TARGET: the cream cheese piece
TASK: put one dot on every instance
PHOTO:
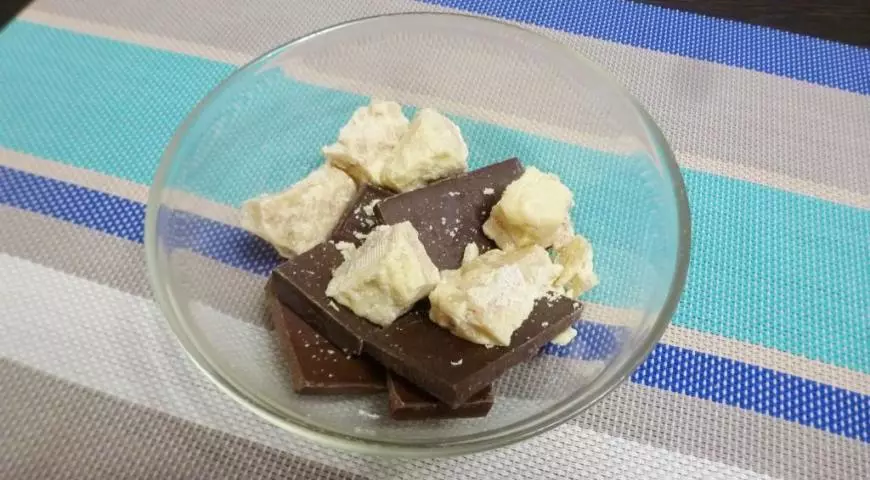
(302, 216)
(565, 337)
(368, 141)
(578, 275)
(432, 148)
(487, 299)
(532, 211)
(386, 276)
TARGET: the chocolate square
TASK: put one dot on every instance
(317, 366)
(359, 218)
(408, 402)
(453, 369)
(301, 284)
(449, 214)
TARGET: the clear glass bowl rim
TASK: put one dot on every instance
(466, 445)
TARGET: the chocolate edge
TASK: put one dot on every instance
(310, 311)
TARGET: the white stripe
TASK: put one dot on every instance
(773, 179)
(717, 167)
(116, 186)
(116, 343)
(678, 336)
(154, 41)
(80, 176)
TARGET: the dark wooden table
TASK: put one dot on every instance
(846, 21)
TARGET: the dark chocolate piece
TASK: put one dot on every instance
(408, 402)
(448, 367)
(317, 366)
(359, 218)
(453, 369)
(450, 214)
(301, 284)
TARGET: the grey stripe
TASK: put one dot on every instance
(728, 435)
(120, 263)
(662, 419)
(89, 434)
(762, 121)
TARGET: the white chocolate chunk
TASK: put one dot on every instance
(384, 277)
(368, 141)
(470, 253)
(565, 337)
(565, 233)
(346, 249)
(432, 148)
(488, 298)
(302, 216)
(578, 275)
(531, 211)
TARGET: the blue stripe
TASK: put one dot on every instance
(690, 35)
(760, 390)
(717, 379)
(125, 218)
(88, 208)
(768, 267)
(594, 341)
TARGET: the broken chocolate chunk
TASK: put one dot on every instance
(317, 366)
(453, 369)
(301, 282)
(408, 402)
(359, 218)
(448, 367)
(449, 214)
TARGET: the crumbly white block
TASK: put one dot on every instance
(383, 278)
(487, 299)
(565, 337)
(578, 275)
(565, 233)
(432, 148)
(346, 249)
(470, 253)
(368, 141)
(531, 211)
(302, 216)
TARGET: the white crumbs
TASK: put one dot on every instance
(500, 291)
(488, 191)
(373, 416)
(565, 337)
(453, 194)
(346, 249)
(370, 208)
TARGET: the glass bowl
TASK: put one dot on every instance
(514, 93)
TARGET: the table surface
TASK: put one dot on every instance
(765, 370)
(840, 20)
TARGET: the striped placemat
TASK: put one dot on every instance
(764, 372)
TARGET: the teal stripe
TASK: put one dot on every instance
(768, 267)
(97, 104)
(777, 269)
